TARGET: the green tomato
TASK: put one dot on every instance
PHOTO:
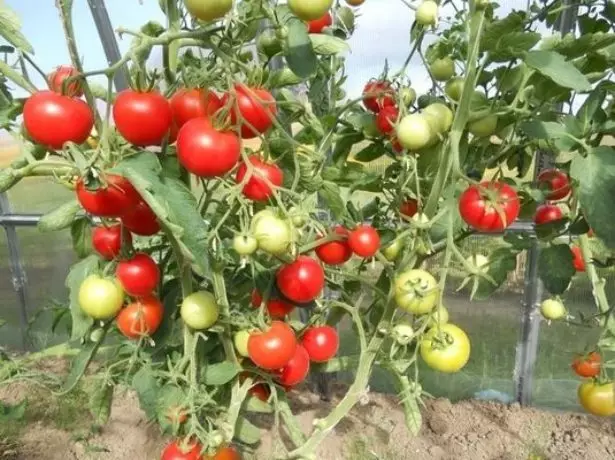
(199, 310)
(208, 10)
(308, 10)
(241, 343)
(244, 245)
(414, 132)
(97, 334)
(440, 117)
(297, 217)
(454, 88)
(100, 298)
(407, 96)
(427, 13)
(268, 43)
(442, 69)
(403, 333)
(416, 291)
(553, 309)
(445, 349)
(273, 234)
(392, 250)
(484, 127)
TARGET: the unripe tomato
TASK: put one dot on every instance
(440, 117)
(546, 213)
(414, 131)
(187, 104)
(140, 318)
(59, 75)
(364, 241)
(100, 298)
(556, 181)
(321, 343)
(267, 43)
(139, 276)
(553, 309)
(141, 220)
(244, 245)
(484, 127)
(199, 310)
(317, 25)
(208, 10)
(393, 249)
(442, 69)
(110, 196)
(302, 280)
(272, 349)
(445, 349)
(416, 291)
(335, 252)
(454, 88)
(489, 206)
(296, 369)
(409, 207)
(309, 10)
(143, 119)
(378, 94)
(274, 234)
(277, 308)
(597, 399)
(587, 365)
(178, 450)
(427, 13)
(253, 109)
(577, 259)
(386, 119)
(407, 96)
(240, 340)
(403, 333)
(107, 241)
(262, 181)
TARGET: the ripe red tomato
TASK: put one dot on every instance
(335, 252)
(546, 213)
(259, 184)
(277, 308)
(297, 369)
(409, 207)
(224, 453)
(321, 343)
(364, 241)
(107, 241)
(138, 276)
(302, 280)
(52, 119)
(587, 365)
(206, 152)
(272, 349)
(377, 95)
(317, 25)
(260, 391)
(556, 181)
(187, 104)
(143, 119)
(253, 106)
(141, 220)
(489, 206)
(110, 196)
(386, 119)
(140, 318)
(178, 451)
(577, 259)
(59, 75)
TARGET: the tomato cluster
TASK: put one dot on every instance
(364, 241)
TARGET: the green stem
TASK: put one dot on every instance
(222, 298)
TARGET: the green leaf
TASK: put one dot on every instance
(12, 412)
(145, 384)
(219, 374)
(572, 47)
(596, 191)
(15, 76)
(554, 66)
(300, 55)
(590, 107)
(343, 146)
(284, 77)
(512, 45)
(555, 268)
(246, 432)
(80, 363)
(497, 29)
(410, 401)
(10, 29)
(60, 217)
(328, 45)
(537, 129)
(370, 153)
(81, 233)
(100, 403)
(331, 195)
(81, 322)
(501, 262)
(253, 404)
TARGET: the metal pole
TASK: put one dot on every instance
(527, 348)
(107, 37)
(19, 278)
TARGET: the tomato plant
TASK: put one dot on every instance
(107, 241)
(577, 259)
(199, 310)
(100, 298)
(142, 317)
(556, 182)
(587, 365)
(321, 343)
(141, 220)
(139, 275)
(277, 308)
(177, 450)
(187, 104)
(416, 291)
(597, 399)
(445, 348)
(296, 369)
(252, 109)
(335, 252)
(489, 206)
(547, 213)
(272, 349)
(386, 118)
(143, 119)
(316, 26)
(262, 180)
(309, 11)
(108, 195)
(377, 95)
(57, 78)
(364, 241)
(553, 309)
(302, 280)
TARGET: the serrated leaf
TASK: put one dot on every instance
(370, 153)
(513, 45)
(573, 47)
(537, 129)
(554, 66)
(299, 53)
(502, 261)
(100, 403)
(328, 45)
(80, 364)
(10, 29)
(497, 29)
(246, 432)
(331, 195)
(81, 234)
(219, 374)
(555, 268)
(81, 322)
(145, 384)
(59, 218)
(284, 77)
(596, 191)
(588, 110)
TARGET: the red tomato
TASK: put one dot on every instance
(556, 181)
(277, 308)
(110, 197)
(273, 348)
(107, 241)
(396, 145)
(317, 25)
(364, 241)
(587, 365)
(335, 252)
(577, 258)
(321, 343)
(377, 95)
(224, 453)
(253, 106)
(297, 369)
(409, 207)
(138, 276)
(302, 280)
(386, 118)
(59, 75)
(259, 184)
(260, 391)
(546, 213)
(177, 451)
(489, 206)
(140, 318)
(141, 220)
(206, 152)
(143, 119)
(52, 119)
(187, 104)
